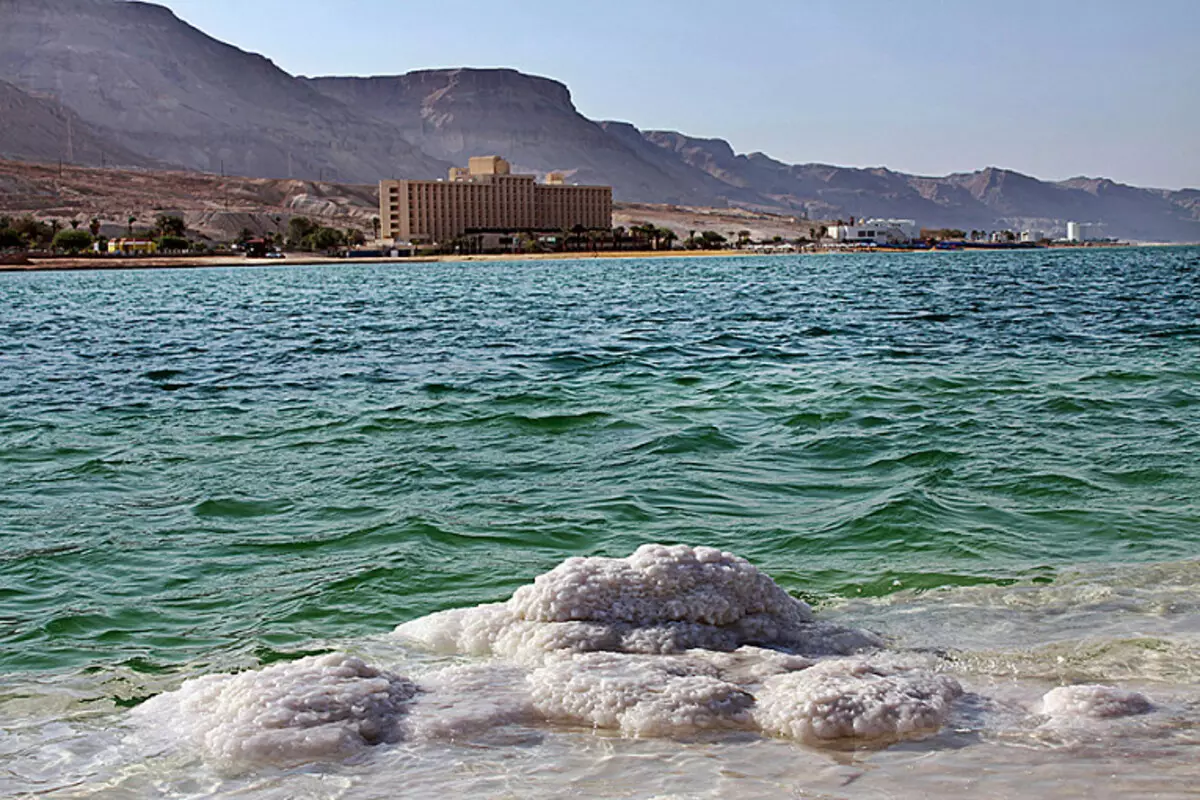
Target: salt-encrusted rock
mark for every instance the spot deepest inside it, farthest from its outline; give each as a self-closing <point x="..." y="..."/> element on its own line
<point x="659" y="600"/>
<point x="319" y="708"/>
<point x="854" y="698"/>
<point x="1093" y="702"/>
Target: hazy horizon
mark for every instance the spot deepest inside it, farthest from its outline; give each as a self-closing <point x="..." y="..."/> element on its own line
<point x="1082" y="89"/>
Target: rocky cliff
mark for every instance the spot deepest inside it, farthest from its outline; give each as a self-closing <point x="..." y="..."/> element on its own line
<point x="531" y="121"/>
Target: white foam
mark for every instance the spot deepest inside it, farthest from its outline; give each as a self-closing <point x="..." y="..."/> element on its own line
<point x="1092" y="701"/>
<point x="659" y="600"/>
<point x="853" y="698"/>
<point x="318" y="708"/>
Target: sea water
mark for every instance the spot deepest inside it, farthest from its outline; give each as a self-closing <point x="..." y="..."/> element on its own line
<point x="234" y="498"/>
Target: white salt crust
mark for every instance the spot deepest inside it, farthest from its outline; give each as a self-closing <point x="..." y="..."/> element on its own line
<point x="1092" y="701"/>
<point x="640" y="695"/>
<point x="320" y="708"/>
<point x="668" y="642"/>
<point x="659" y="600"/>
<point x="462" y="701"/>
<point x="853" y="698"/>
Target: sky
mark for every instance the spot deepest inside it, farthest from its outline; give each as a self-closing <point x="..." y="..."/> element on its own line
<point x="1050" y="88"/>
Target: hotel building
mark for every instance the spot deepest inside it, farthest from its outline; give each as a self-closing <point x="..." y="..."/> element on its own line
<point x="487" y="198"/>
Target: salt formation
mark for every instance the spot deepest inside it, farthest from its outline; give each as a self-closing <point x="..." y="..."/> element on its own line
<point x="659" y="600"/>
<point x="640" y="695"/>
<point x="1093" y="702"/>
<point x="466" y="700"/>
<point x="322" y="707"/>
<point x="854" y="698"/>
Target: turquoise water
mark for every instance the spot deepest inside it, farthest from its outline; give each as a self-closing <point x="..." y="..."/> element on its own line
<point x="204" y="467"/>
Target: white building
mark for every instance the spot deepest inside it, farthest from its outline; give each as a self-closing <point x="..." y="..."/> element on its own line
<point x="875" y="231"/>
<point x="1085" y="231"/>
<point x="1032" y="236"/>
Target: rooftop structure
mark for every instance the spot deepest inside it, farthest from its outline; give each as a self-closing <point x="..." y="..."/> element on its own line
<point x="487" y="197"/>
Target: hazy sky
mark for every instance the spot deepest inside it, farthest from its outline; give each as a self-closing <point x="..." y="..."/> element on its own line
<point x="1052" y="88"/>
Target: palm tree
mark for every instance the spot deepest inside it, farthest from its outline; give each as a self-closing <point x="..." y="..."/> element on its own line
<point x="132" y="219"/>
<point x="668" y="237"/>
<point x="94" y="227"/>
<point x="618" y="235"/>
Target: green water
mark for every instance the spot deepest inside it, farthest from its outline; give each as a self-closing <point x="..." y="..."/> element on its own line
<point x="199" y="467"/>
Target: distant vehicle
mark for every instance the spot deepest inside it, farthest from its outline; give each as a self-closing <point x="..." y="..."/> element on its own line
<point x="274" y="254"/>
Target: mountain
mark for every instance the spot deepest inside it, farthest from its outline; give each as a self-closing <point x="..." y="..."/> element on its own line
<point x="456" y="113"/>
<point x="987" y="199"/>
<point x="37" y="128"/>
<point x="133" y="80"/>
<point x="163" y="89"/>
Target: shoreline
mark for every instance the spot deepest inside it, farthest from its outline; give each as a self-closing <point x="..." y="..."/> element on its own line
<point x="92" y="263"/>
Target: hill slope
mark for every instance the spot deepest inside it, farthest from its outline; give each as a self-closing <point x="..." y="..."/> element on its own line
<point x="38" y="129"/>
<point x="163" y="89"/>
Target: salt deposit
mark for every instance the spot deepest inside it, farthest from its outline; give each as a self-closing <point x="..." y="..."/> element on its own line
<point x="854" y="698"/>
<point x="1093" y="702"/>
<point x="317" y="708"/>
<point x="465" y="700"/>
<point x="659" y="600"/>
<point x="640" y="695"/>
<point x="671" y="641"/>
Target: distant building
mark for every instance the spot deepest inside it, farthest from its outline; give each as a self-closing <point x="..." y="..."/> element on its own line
<point x="143" y="247"/>
<point x="1032" y="236"/>
<point x="486" y="197"/>
<point x="875" y="231"/>
<point x="1085" y="231"/>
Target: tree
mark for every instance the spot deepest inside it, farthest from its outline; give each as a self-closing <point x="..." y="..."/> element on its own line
<point x="94" y="227"/>
<point x="325" y="239"/>
<point x="170" y="225"/>
<point x="10" y="239"/>
<point x="743" y="238"/>
<point x="32" y="233"/>
<point x="707" y="240"/>
<point x="74" y="224"/>
<point x="168" y="243"/>
<point x="618" y="235"/>
<point x="375" y="226"/>
<point x="299" y="229"/>
<point x="668" y="237"/>
<point x="72" y="240"/>
<point x="355" y="237"/>
<point x="132" y="219"/>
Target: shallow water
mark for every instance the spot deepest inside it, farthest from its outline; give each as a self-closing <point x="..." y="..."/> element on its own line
<point x="987" y="456"/>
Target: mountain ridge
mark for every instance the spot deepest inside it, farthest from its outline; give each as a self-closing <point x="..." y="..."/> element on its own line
<point x="158" y="89"/>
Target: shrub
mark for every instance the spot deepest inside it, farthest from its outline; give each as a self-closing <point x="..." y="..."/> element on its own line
<point x="173" y="243"/>
<point x="72" y="240"/>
